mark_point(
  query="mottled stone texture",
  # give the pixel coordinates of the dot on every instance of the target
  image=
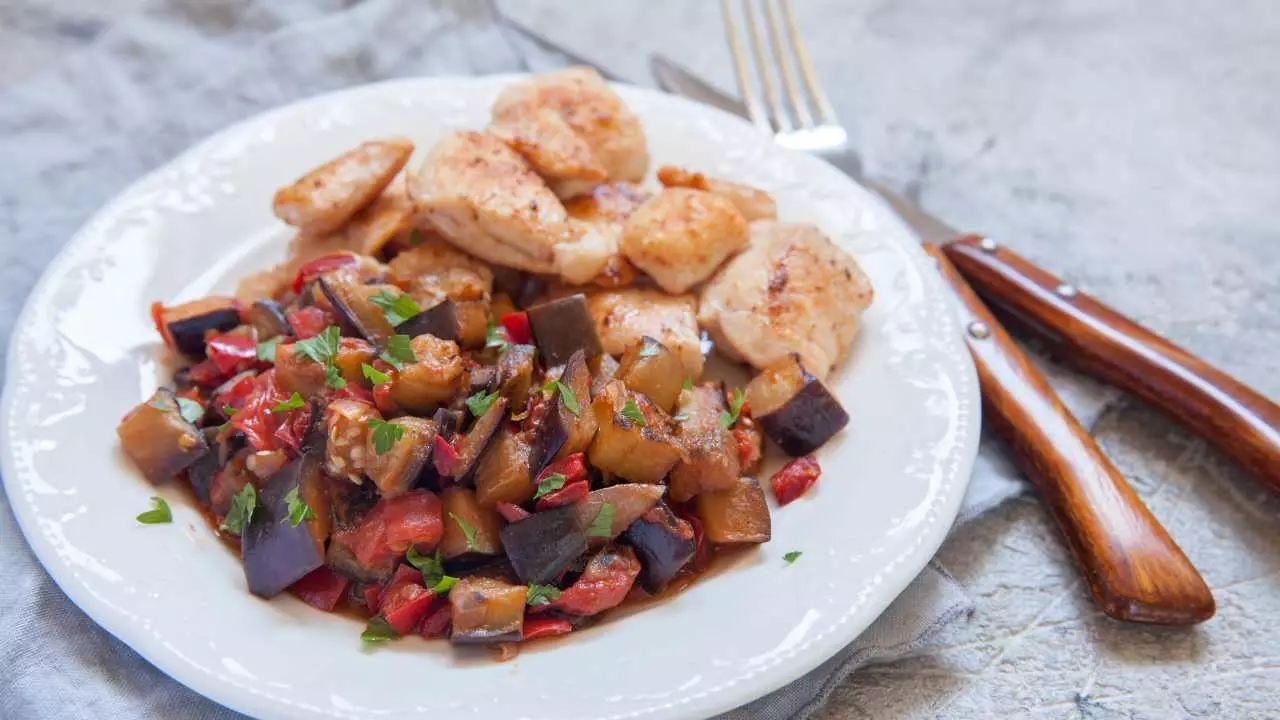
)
(1134, 147)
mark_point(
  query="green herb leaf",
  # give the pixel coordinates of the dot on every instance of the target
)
(378, 630)
(648, 351)
(568, 398)
(267, 349)
(687, 384)
(298, 510)
(493, 339)
(372, 374)
(730, 416)
(602, 526)
(468, 531)
(480, 403)
(399, 352)
(632, 412)
(432, 569)
(792, 556)
(445, 585)
(228, 411)
(243, 505)
(415, 238)
(323, 347)
(541, 594)
(159, 403)
(385, 435)
(396, 308)
(294, 402)
(190, 410)
(333, 377)
(680, 416)
(550, 484)
(159, 512)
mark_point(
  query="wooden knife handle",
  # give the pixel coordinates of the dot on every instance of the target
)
(1237, 420)
(1134, 569)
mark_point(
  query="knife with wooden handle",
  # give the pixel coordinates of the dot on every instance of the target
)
(1237, 420)
(1134, 569)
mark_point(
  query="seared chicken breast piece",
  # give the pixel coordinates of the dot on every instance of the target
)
(754, 204)
(793, 290)
(623, 316)
(572, 127)
(681, 236)
(486, 200)
(325, 198)
(606, 208)
(434, 256)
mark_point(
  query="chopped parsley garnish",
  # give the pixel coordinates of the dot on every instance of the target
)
(228, 411)
(298, 510)
(159, 512)
(399, 352)
(730, 416)
(323, 349)
(541, 594)
(385, 435)
(415, 238)
(550, 484)
(398, 309)
(792, 556)
(333, 377)
(631, 411)
(567, 396)
(648, 351)
(243, 504)
(372, 374)
(267, 349)
(480, 403)
(494, 339)
(432, 569)
(190, 410)
(468, 531)
(680, 416)
(687, 384)
(602, 526)
(294, 402)
(378, 630)
(445, 585)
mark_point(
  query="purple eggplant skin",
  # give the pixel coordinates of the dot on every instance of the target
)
(477, 440)
(663, 542)
(188, 323)
(562, 327)
(448, 422)
(347, 318)
(483, 379)
(158, 439)
(806, 421)
(546, 437)
(545, 544)
(486, 610)
(268, 318)
(277, 554)
(202, 471)
(440, 320)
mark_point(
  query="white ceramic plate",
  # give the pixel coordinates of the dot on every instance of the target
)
(84, 352)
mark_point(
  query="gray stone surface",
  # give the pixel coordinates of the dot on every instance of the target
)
(1131, 145)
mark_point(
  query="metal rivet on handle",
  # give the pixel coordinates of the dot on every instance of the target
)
(989, 245)
(979, 329)
(1066, 290)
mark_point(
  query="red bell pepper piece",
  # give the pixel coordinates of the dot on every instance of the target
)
(748, 442)
(444, 456)
(603, 584)
(511, 512)
(795, 478)
(573, 468)
(371, 595)
(354, 392)
(394, 524)
(308, 322)
(382, 399)
(320, 266)
(541, 626)
(404, 605)
(321, 588)
(517, 326)
(232, 352)
(438, 618)
(571, 494)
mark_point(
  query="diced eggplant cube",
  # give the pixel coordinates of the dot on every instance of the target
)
(482, 379)
(268, 318)
(649, 367)
(356, 313)
(580, 427)
(794, 408)
(505, 472)
(397, 470)
(515, 373)
(219, 452)
(739, 515)
(664, 544)
(545, 544)
(562, 327)
(460, 506)
(710, 461)
(440, 320)
(276, 553)
(157, 438)
(187, 324)
(486, 610)
(640, 449)
(628, 502)
(477, 440)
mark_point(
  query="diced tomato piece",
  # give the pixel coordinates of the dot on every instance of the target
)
(573, 468)
(541, 626)
(354, 392)
(206, 373)
(321, 588)
(444, 456)
(292, 429)
(232, 352)
(438, 618)
(571, 494)
(702, 550)
(404, 605)
(382, 399)
(517, 326)
(748, 442)
(414, 520)
(511, 512)
(371, 594)
(320, 266)
(603, 585)
(308, 322)
(795, 478)
(235, 391)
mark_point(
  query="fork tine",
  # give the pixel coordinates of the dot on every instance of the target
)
(799, 103)
(826, 113)
(781, 120)
(755, 110)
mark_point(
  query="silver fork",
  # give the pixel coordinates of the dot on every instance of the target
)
(800, 116)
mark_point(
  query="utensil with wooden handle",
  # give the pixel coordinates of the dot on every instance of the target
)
(1237, 420)
(1134, 569)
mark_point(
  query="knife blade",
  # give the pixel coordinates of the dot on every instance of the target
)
(1135, 571)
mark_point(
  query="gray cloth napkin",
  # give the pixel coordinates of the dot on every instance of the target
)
(140, 92)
